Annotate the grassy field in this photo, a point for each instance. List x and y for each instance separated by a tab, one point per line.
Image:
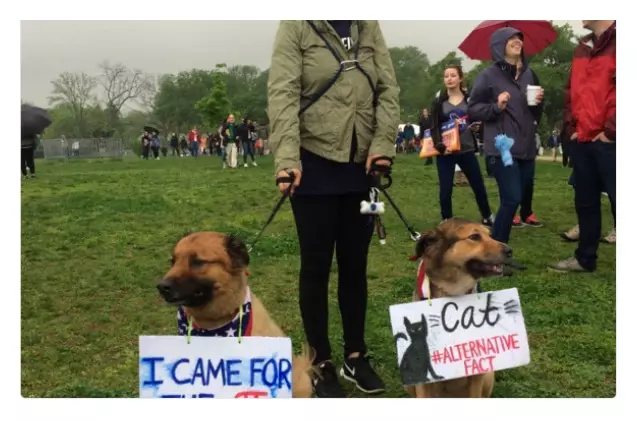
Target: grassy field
97	235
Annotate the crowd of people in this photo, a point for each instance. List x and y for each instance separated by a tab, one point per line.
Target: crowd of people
324	146
229	141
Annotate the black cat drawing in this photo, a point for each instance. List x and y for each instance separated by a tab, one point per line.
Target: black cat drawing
415	365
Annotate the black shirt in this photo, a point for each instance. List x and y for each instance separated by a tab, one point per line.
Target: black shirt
322	176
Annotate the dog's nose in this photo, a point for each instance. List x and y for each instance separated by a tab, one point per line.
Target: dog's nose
507	251
164	286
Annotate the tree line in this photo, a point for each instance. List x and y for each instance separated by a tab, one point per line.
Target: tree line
119	101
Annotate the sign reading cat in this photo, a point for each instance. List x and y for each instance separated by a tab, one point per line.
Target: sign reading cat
453	337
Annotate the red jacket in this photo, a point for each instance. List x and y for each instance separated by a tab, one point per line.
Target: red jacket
193	136
590	96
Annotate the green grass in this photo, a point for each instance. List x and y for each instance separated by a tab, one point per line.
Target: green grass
96	235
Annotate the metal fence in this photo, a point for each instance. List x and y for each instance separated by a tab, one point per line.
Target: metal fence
83	148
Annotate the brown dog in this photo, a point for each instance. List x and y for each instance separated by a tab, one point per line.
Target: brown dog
455	255
208	281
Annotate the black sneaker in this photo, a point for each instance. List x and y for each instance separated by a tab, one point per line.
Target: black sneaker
488	222
326	383
360	372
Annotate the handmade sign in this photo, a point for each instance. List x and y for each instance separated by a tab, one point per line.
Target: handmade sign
450	134
215	367
449	338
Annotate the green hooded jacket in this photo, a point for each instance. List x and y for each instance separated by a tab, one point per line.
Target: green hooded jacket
302	66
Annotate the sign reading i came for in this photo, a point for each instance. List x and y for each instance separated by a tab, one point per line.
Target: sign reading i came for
459	336
215	367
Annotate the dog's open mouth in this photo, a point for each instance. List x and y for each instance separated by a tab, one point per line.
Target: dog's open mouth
480	269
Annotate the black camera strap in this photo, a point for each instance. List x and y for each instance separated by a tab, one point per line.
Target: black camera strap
344	66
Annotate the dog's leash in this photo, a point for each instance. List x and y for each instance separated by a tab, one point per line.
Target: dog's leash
378	172
289	179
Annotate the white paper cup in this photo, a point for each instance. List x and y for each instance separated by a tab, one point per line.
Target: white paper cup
531	94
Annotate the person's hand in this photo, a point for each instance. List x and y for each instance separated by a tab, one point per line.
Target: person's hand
503	100
284	186
603	138
380	162
574	136
540	96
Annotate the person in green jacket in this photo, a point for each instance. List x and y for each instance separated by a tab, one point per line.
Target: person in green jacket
333	107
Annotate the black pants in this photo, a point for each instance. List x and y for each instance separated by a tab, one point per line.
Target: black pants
145	151
175	150
324	223
594	166
567	148
156	152
489	166
26	160
469	165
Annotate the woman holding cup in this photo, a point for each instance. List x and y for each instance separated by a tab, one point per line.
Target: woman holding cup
508	102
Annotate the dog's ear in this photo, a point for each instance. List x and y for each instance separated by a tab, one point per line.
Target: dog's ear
426	241
237	251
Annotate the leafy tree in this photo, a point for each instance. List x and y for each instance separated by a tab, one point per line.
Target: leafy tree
216	105
411	67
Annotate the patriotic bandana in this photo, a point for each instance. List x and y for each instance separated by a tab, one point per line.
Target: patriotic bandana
230	329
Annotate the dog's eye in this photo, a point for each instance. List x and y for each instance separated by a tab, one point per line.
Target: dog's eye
196	263
475	237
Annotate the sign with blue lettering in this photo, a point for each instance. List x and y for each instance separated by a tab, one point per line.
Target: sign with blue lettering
215	367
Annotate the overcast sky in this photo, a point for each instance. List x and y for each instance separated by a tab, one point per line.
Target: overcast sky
49	48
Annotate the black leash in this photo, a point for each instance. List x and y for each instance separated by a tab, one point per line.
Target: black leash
286	194
378	172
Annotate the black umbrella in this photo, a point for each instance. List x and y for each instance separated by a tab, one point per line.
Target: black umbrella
151	129
34	120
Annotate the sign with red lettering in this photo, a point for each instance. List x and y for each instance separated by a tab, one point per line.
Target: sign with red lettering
455	337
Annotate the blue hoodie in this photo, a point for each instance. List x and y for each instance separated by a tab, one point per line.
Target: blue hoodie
518	119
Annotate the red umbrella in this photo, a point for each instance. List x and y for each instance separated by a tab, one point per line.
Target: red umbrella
538	34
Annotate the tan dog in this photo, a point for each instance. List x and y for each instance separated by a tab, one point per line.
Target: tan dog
208	281
455	256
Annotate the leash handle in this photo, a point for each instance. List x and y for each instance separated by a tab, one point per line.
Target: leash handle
289	179
378	172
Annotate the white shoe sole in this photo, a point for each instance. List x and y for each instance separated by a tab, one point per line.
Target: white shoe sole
350	379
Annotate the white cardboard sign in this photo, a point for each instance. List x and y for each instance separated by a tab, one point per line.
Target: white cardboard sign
215	367
460	336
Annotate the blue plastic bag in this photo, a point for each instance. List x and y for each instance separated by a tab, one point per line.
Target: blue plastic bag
504	143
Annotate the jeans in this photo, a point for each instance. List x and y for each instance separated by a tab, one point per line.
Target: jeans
248	149
468	163
594	166
512	183
195	149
